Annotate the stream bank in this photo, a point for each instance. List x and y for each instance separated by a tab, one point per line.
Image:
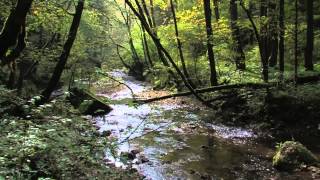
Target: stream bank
180	139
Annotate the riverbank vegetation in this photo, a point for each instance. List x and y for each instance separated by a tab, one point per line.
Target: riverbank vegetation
254	63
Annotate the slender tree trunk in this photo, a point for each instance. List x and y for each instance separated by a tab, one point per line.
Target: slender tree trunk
216	9
296	42
55	78
310	37
213	72
13	26
160	53
153	30
240	56
165	52
261	43
152	13
264	39
146	45
184	67
144	5
282	31
273	30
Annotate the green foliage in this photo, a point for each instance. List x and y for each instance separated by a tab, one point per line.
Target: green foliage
290	155
53	141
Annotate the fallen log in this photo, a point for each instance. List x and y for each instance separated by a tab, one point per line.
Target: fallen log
300	81
209	89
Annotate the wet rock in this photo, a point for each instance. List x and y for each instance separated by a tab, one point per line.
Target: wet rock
143	159
205	177
192	171
87	103
137	162
291	155
121	130
167	162
128	155
135	151
205	147
133	170
106	133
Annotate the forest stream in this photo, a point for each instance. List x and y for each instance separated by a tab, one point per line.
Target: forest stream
175	141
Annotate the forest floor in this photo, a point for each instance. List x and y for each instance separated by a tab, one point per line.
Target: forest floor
52	141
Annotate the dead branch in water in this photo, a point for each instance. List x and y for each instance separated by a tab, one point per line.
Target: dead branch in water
114	79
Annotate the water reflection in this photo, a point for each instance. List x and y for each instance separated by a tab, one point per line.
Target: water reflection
159	132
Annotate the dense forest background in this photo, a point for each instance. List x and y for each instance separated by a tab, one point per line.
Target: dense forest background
187	47
247	37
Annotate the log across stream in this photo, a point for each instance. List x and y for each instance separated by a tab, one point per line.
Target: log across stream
174	141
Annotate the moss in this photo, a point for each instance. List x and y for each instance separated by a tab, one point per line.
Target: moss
87	103
84	106
290	155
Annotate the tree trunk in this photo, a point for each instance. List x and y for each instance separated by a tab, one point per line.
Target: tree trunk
184	68
216	9
146	45
310	37
239	57
263	59
147	13
152	13
65	53
157	42
13	26
213	72
264	39
273	30
282	32
296	43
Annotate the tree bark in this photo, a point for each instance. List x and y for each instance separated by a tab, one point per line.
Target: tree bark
152	13
146	45
184	67
144	5
264	39
216	9
207	13
13	26
296	42
240	56
273	36
310	37
65	53
282	32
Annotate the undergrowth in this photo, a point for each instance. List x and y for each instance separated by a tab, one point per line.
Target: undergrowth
51	141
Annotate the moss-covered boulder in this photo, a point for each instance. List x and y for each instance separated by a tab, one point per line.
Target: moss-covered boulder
290	155
87	103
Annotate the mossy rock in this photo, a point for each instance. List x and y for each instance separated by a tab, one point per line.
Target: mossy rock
291	155
87	103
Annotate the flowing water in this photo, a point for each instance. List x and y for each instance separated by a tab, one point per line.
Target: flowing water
178	142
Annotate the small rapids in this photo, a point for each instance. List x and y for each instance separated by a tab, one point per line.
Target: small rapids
172	142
